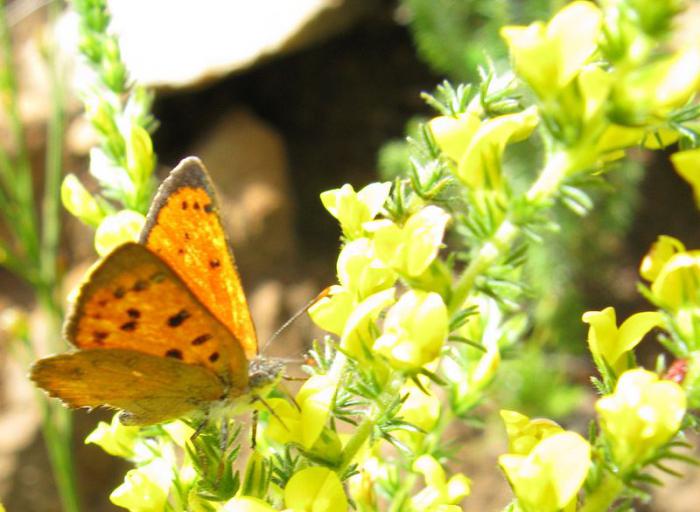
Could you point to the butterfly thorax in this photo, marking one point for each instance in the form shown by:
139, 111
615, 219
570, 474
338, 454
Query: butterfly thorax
263, 376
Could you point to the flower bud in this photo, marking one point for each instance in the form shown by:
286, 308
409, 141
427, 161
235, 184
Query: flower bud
79, 202
140, 159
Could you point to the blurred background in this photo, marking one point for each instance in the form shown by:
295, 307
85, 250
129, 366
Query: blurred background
283, 100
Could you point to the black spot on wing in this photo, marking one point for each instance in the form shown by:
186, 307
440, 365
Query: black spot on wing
214, 357
99, 337
174, 353
128, 326
178, 318
200, 340
214, 263
140, 285
119, 292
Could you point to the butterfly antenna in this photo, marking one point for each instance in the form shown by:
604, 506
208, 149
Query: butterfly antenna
324, 293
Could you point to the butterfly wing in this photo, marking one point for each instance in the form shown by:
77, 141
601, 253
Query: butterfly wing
183, 228
133, 300
150, 389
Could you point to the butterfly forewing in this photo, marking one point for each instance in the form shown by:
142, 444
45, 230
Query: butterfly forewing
133, 300
149, 388
184, 229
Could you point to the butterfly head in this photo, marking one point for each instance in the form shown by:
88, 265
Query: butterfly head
264, 374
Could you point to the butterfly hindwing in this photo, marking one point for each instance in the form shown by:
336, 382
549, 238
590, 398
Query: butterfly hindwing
183, 228
133, 300
150, 389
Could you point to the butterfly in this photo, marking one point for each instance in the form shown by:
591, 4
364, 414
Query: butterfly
162, 327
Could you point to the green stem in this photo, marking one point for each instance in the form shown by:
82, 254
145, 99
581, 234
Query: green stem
51, 212
57, 421
25, 225
365, 429
502, 240
57, 428
604, 495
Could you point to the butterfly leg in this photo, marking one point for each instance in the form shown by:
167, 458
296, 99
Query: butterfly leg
200, 428
258, 398
254, 430
289, 395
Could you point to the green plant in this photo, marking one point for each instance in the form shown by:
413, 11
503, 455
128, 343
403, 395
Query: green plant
123, 166
30, 250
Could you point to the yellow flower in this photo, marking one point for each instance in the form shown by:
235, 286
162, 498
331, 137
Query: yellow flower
410, 249
305, 423
332, 311
548, 57
114, 230
358, 333
660, 252
525, 433
438, 489
415, 330
480, 164
652, 91
640, 416
353, 209
116, 439
361, 271
608, 342
146, 488
361, 274
477, 147
453, 134
687, 165
677, 285
315, 489
548, 478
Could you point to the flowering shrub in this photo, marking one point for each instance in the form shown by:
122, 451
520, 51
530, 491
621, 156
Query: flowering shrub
429, 292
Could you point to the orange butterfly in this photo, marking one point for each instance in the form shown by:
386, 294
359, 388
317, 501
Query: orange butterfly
162, 327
